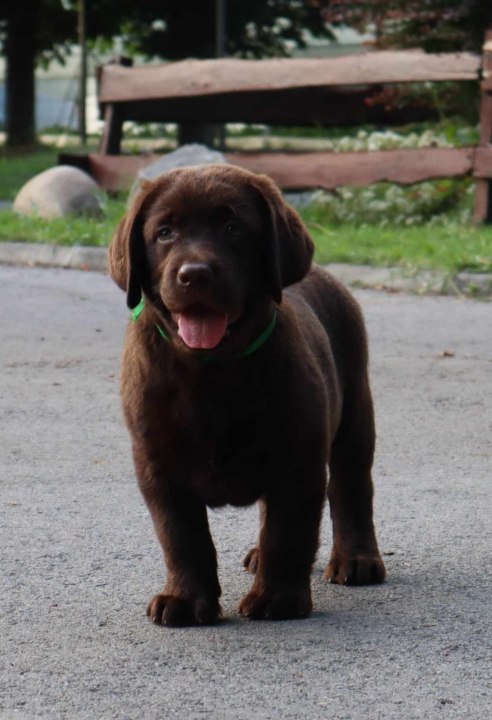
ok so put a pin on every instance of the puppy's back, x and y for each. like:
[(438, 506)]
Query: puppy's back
[(339, 314)]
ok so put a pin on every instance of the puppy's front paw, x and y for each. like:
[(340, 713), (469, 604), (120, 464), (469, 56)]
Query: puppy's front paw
[(356, 569), (174, 611), (276, 606)]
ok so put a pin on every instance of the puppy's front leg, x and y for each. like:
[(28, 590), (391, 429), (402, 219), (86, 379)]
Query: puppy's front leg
[(191, 593), (286, 550)]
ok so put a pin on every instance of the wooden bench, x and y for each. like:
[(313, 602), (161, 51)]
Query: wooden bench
[(305, 92)]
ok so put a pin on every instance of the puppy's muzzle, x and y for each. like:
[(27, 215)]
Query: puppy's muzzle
[(194, 275)]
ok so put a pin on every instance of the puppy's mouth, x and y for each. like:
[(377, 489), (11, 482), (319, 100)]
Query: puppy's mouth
[(201, 327)]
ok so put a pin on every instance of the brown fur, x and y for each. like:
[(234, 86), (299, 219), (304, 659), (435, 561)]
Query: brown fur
[(231, 429)]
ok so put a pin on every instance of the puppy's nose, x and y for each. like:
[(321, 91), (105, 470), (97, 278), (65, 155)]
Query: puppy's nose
[(194, 274)]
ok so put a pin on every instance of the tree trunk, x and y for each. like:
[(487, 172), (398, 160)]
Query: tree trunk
[(209, 135), (20, 53), (195, 27)]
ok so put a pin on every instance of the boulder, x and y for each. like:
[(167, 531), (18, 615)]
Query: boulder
[(59, 191), (184, 156)]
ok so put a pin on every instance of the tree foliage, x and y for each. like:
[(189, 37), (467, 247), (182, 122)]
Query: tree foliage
[(176, 29), (56, 28), (434, 25)]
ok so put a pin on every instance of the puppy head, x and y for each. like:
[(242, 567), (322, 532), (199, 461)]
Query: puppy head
[(204, 244)]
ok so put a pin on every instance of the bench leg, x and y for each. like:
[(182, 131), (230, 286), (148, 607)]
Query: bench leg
[(113, 131)]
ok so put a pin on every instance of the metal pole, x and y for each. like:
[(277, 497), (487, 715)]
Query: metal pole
[(220, 51), (220, 28), (81, 31)]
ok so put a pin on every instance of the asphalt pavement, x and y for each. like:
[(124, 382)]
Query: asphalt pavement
[(79, 558)]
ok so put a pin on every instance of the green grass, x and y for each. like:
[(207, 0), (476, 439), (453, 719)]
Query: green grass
[(425, 226), (15, 170), (71, 230), (449, 247)]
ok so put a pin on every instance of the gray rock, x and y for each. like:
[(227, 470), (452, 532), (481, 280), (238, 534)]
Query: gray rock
[(59, 191), (184, 156)]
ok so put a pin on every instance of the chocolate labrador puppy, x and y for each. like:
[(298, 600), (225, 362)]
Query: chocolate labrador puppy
[(244, 374)]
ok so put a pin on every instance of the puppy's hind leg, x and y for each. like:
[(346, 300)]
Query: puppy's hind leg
[(287, 545), (250, 562), (355, 558)]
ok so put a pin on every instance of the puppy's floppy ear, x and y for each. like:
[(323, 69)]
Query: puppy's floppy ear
[(288, 247), (126, 257)]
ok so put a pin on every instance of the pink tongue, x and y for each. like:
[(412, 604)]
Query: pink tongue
[(202, 331)]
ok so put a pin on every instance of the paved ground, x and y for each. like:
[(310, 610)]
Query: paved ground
[(79, 559)]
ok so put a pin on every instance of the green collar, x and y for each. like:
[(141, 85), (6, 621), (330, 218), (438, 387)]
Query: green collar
[(255, 345), (137, 311)]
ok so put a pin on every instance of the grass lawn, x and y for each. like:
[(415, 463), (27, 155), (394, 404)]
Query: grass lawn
[(17, 169), (63, 231), (349, 233), (448, 247)]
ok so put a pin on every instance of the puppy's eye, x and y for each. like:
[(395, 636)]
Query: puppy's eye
[(165, 234), (234, 229)]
